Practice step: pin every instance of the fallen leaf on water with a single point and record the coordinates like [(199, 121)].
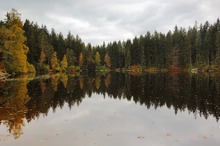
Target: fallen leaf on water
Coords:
[(140, 137), (205, 137), (109, 134)]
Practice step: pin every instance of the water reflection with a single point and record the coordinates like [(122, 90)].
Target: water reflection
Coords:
[(24, 99), (13, 97)]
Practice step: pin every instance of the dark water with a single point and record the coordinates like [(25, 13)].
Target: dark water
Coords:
[(113, 109)]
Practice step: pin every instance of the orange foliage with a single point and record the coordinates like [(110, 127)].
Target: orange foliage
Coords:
[(136, 68), (81, 83), (81, 59), (14, 110), (42, 57), (175, 69), (54, 82)]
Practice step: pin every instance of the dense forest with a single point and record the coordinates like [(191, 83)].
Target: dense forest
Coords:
[(27, 47)]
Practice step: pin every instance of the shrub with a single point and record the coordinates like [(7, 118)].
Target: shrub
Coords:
[(31, 68)]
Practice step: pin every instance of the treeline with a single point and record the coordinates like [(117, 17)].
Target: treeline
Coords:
[(46, 51), (181, 49), (28, 43), (197, 47)]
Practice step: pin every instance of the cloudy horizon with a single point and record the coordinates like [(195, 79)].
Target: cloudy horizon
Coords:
[(111, 20)]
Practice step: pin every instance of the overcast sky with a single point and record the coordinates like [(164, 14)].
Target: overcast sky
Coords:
[(96, 21)]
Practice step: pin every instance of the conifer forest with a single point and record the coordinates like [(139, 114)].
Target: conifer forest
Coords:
[(27, 47)]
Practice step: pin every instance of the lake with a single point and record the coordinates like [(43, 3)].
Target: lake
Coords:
[(111, 109)]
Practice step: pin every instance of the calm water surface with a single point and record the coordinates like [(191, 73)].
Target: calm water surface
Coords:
[(114, 109)]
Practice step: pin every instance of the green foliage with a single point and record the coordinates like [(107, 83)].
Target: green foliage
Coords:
[(70, 57), (102, 68), (77, 68), (45, 46), (180, 48), (177, 49), (42, 68)]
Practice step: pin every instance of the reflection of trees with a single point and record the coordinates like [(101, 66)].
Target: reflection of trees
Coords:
[(54, 81), (97, 82), (64, 79), (58, 89), (196, 93), (107, 80), (12, 102)]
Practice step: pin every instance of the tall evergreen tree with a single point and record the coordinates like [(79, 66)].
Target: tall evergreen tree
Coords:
[(127, 53), (45, 46)]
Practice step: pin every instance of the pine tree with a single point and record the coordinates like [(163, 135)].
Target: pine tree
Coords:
[(203, 43), (217, 45), (136, 52), (127, 54), (45, 46), (70, 57), (113, 53), (31, 32)]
